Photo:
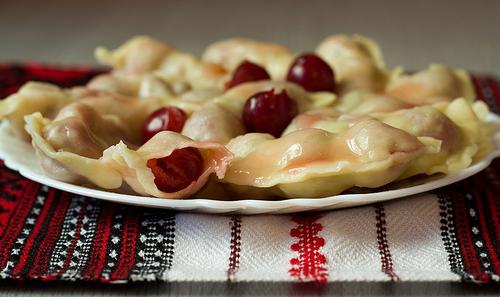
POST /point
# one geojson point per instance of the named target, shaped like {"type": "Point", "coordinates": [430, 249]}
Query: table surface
{"type": "Point", "coordinates": [8, 289]}
{"type": "Point", "coordinates": [458, 33]}
{"type": "Point", "coordinates": [414, 34]}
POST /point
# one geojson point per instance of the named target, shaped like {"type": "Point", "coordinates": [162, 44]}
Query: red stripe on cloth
{"type": "Point", "coordinates": [13, 76]}
{"type": "Point", "coordinates": [383, 246]}
{"type": "Point", "coordinates": [310, 263]}
{"type": "Point", "coordinates": [486, 92]}
{"type": "Point", "coordinates": [234, 256]}
{"type": "Point", "coordinates": [98, 252]}
{"type": "Point", "coordinates": [473, 197]}
{"type": "Point", "coordinates": [42, 258]}
{"type": "Point", "coordinates": [463, 232]}
{"type": "Point", "coordinates": [15, 223]}
{"type": "Point", "coordinates": [73, 243]}
{"type": "Point", "coordinates": [34, 236]}
{"type": "Point", "coordinates": [60, 74]}
{"type": "Point", "coordinates": [495, 228]}
{"type": "Point", "coordinates": [475, 79]}
{"type": "Point", "coordinates": [478, 87]}
{"type": "Point", "coordinates": [485, 229]}
{"type": "Point", "coordinates": [129, 242]}
{"type": "Point", "coordinates": [495, 89]}
{"type": "Point", "coordinates": [12, 186]}
{"type": "Point", "coordinates": [493, 177]}
{"type": "Point", "coordinates": [487, 210]}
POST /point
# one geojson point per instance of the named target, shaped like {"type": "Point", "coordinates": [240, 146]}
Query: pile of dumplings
{"type": "Point", "coordinates": [379, 126]}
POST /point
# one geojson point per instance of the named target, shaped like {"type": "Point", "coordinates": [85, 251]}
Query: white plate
{"type": "Point", "coordinates": [20, 156]}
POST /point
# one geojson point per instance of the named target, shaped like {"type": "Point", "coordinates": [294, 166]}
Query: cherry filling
{"type": "Point", "coordinates": [178, 170]}
{"type": "Point", "coordinates": [245, 72]}
{"type": "Point", "coordinates": [312, 73]}
{"type": "Point", "coordinates": [163, 119]}
{"type": "Point", "coordinates": [268, 112]}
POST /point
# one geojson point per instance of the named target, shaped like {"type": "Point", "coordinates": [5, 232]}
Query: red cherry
{"type": "Point", "coordinates": [163, 119]}
{"type": "Point", "coordinates": [247, 71]}
{"type": "Point", "coordinates": [312, 73]}
{"type": "Point", "coordinates": [267, 112]}
{"type": "Point", "coordinates": [177, 171]}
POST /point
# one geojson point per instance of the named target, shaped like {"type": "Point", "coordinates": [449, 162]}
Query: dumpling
{"type": "Point", "coordinates": [139, 55]}
{"type": "Point", "coordinates": [476, 134]}
{"type": "Point", "coordinates": [32, 97]}
{"type": "Point", "coordinates": [144, 87]}
{"type": "Point", "coordinates": [452, 132]}
{"type": "Point", "coordinates": [151, 87]}
{"type": "Point", "coordinates": [357, 62]}
{"type": "Point", "coordinates": [316, 163]}
{"type": "Point", "coordinates": [143, 55]}
{"type": "Point", "coordinates": [130, 110]}
{"type": "Point", "coordinates": [184, 71]}
{"type": "Point", "coordinates": [460, 134]}
{"type": "Point", "coordinates": [432, 127]}
{"type": "Point", "coordinates": [213, 123]}
{"type": "Point", "coordinates": [49, 99]}
{"type": "Point", "coordinates": [69, 147]}
{"type": "Point", "coordinates": [79, 129]}
{"type": "Point", "coordinates": [437, 83]}
{"type": "Point", "coordinates": [132, 164]}
{"type": "Point", "coordinates": [326, 119]}
{"type": "Point", "coordinates": [363, 102]}
{"type": "Point", "coordinates": [231, 52]}
{"type": "Point", "coordinates": [80, 146]}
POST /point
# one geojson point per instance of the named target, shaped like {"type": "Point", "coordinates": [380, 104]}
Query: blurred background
{"type": "Point", "coordinates": [412, 33]}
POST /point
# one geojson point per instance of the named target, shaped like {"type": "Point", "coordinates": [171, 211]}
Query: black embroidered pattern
{"type": "Point", "coordinates": [450, 238]}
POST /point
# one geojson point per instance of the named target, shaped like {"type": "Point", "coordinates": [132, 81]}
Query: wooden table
{"type": "Point", "coordinates": [458, 33]}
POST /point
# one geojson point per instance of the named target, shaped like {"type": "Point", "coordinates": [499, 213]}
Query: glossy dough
{"type": "Point", "coordinates": [213, 123]}
{"type": "Point", "coordinates": [132, 163]}
{"type": "Point", "coordinates": [231, 52]}
{"type": "Point", "coordinates": [69, 148]}
{"type": "Point", "coordinates": [80, 147]}
{"type": "Point", "coordinates": [364, 102]}
{"type": "Point", "coordinates": [452, 132]}
{"type": "Point", "coordinates": [32, 97]}
{"type": "Point", "coordinates": [142, 56]}
{"type": "Point", "coordinates": [437, 83]}
{"type": "Point", "coordinates": [316, 163]}
{"type": "Point", "coordinates": [357, 62]}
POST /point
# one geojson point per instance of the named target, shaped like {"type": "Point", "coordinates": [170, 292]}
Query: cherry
{"type": "Point", "coordinates": [245, 72]}
{"type": "Point", "coordinates": [163, 119]}
{"type": "Point", "coordinates": [268, 112]}
{"type": "Point", "coordinates": [178, 170]}
{"type": "Point", "coordinates": [312, 73]}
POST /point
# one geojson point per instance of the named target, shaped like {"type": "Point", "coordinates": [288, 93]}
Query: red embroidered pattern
{"type": "Point", "coordinates": [15, 223]}
{"type": "Point", "coordinates": [310, 263]}
{"type": "Point", "coordinates": [33, 241]}
{"type": "Point", "coordinates": [100, 244]}
{"type": "Point", "coordinates": [129, 242]}
{"type": "Point", "coordinates": [73, 243]}
{"type": "Point", "coordinates": [41, 260]}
